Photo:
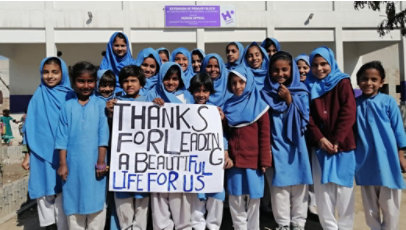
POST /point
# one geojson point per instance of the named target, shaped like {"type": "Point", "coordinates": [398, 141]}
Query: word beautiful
{"type": "Point", "coordinates": [170, 148]}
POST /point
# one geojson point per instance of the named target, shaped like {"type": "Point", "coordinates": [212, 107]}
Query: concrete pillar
{"type": "Point", "coordinates": [339, 47]}
{"type": "Point", "coordinates": [49, 30]}
{"type": "Point", "coordinates": [126, 21]}
{"type": "Point", "coordinates": [200, 43]}
{"type": "Point", "coordinates": [270, 26]}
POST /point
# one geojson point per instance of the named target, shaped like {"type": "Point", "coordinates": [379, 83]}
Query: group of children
{"type": "Point", "coordinates": [292, 122]}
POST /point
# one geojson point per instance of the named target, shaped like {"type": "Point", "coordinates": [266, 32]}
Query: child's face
{"type": "Point", "coordinates": [182, 61]}
{"type": "Point", "coordinates": [370, 82]}
{"type": "Point", "coordinates": [163, 57]}
{"type": "Point", "coordinates": [131, 86]}
{"type": "Point", "coordinates": [281, 71]}
{"type": "Point", "coordinates": [84, 85]}
{"type": "Point", "coordinates": [320, 67]}
{"type": "Point", "coordinates": [271, 50]}
{"type": "Point", "coordinates": [232, 53]}
{"type": "Point", "coordinates": [196, 63]}
{"type": "Point", "coordinates": [201, 95]}
{"type": "Point", "coordinates": [106, 90]}
{"type": "Point", "coordinates": [51, 74]}
{"type": "Point", "coordinates": [254, 57]}
{"type": "Point", "coordinates": [237, 85]}
{"type": "Point", "coordinates": [149, 67]}
{"type": "Point", "coordinates": [119, 47]}
{"type": "Point", "coordinates": [212, 68]}
{"type": "Point", "coordinates": [303, 69]}
{"type": "Point", "coordinates": [171, 83]}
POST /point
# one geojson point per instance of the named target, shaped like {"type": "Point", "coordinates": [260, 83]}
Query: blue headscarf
{"type": "Point", "coordinates": [188, 73]}
{"type": "Point", "coordinates": [161, 92]}
{"type": "Point", "coordinates": [303, 57]}
{"type": "Point", "coordinates": [151, 81]}
{"type": "Point", "coordinates": [100, 74]}
{"type": "Point", "coordinates": [274, 41]}
{"type": "Point", "coordinates": [319, 87]}
{"type": "Point", "coordinates": [43, 116]}
{"type": "Point", "coordinates": [201, 53]}
{"type": "Point", "coordinates": [220, 83]}
{"type": "Point", "coordinates": [112, 62]}
{"type": "Point", "coordinates": [240, 48]}
{"type": "Point", "coordinates": [163, 48]}
{"type": "Point", "coordinates": [260, 73]}
{"type": "Point", "coordinates": [244, 110]}
{"type": "Point", "coordinates": [297, 116]}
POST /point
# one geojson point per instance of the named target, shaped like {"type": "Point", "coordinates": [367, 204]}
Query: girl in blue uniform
{"type": "Point", "coordinates": [197, 59]}
{"type": "Point", "coordinates": [82, 138]}
{"type": "Point", "coordinates": [131, 207]}
{"type": "Point", "coordinates": [118, 55]}
{"type": "Point", "coordinates": [171, 210]}
{"type": "Point", "coordinates": [40, 131]}
{"type": "Point", "coordinates": [271, 45]}
{"type": "Point", "coordinates": [257, 60]}
{"type": "Point", "coordinates": [235, 54]}
{"type": "Point", "coordinates": [303, 63]}
{"type": "Point", "coordinates": [106, 84]}
{"type": "Point", "coordinates": [380, 159]}
{"type": "Point", "coordinates": [164, 54]}
{"type": "Point", "coordinates": [289, 178]}
{"type": "Point", "coordinates": [183, 57]}
{"type": "Point", "coordinates": [149, 61]}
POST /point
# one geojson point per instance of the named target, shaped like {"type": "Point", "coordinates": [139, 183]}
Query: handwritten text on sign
{"type": "Point", "coordinates": [170, 148]}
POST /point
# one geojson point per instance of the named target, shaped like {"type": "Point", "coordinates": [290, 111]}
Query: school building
{"type": "Point", "coordinates": [29, 31]}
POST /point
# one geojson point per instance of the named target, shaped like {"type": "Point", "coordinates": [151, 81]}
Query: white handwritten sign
{"type": "Point", "coordinates": [170, 148]}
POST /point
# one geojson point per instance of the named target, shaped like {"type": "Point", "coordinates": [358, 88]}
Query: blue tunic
{"type": "Point", "coordinates": [380, 134]}
{"type": "Point", "coordinates": [291, 161]}
{"type": "Point", "coordinates": [82, 129]}
{"type": "Point", "coordinates": [245, 182]}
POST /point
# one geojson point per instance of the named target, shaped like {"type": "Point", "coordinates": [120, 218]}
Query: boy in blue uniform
{"type": "Point", "coordinates": [82, 138]}
{"type": "Point", "coordinates": [380, 160]}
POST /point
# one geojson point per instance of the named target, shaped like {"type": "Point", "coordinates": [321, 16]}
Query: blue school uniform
{"type": "Point", "coordinates": [242, 181]}
{"type": "Point", "coordinates": [173, 97]}
{"type": "Point", "coordinates": [260, 73]}
{"type": "Point", "coordinates": [380, 135]}
{"type": "Point", "coordinates": [338, 168]}
{"type": "Point", "coordinates": [39, 134]}
{"type": "Point", "coordinates": [188, 73]}
{"type": "Point", "coordinates": [240, 48]}
{"type": "Point", "coordinates": [114, 63]}
{"type": "Point", "coordinates": [221, 94]}
{"type": "Point", "coordinates": [288, 125]}
{"type": "Point", "coordinates": [151, 81]}
{"type": "Point", "coordinates": [82, 130]}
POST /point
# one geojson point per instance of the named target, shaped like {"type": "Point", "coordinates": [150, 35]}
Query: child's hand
{"type": "Point", "coordinates": [159, 101]}
{"type": "Point", "coordinates": [110, 106]}
{"type": "Point", "coordinates": [263, 169]}
{"type": "Point", "coordinates": [222, 116]}
{"type": "Point", "coordinates": [327, 146]}
{"type": "Point", "coordinates": [284, 93]}
{"type": "Point", "coordinates": [101, 170]}
{"type": "Point", "coordinates": [63, 172]}
{"type": "Point", "coordinates": [26, 162]}
{"type": "Point", "coordinates": [228, 162]}
{"type": "Point", "coordinates": [402, 160]}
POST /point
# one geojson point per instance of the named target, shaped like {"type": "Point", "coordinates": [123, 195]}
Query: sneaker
{"type": "Point", "coordinates": [296, 227]}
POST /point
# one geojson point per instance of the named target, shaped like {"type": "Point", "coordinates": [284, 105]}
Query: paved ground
{"type": "Point", "coordinates": [28, 220]}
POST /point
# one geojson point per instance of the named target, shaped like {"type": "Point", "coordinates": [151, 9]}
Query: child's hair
{"type": "Point", "coordinates": [280, 55]}
{"type": "Point", "coordinates": [175, 69]}
{"type": "Point", "coordinates": [133, 71]}
{"type": "Point", "coordinates": [108, 79]}
{"type": "Point", "coordinates": [199, 80]}
{"type": "Point", "coordinates": [80, 68]}
{"type": "Point", "coordinates": [371, 65]}
{"type": "Point", "coordinates": [198, 53]}
{"type": "Point", "coordinates": [6, 112]}
{"type": "Point", "coordinates": [120, 35]}
{"type": "Point", "coordinates": [166, 52]}
{"type": "Point", "coordinates": [53, 60]}
{"type": "Point", "coordinates": [268, 42]}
